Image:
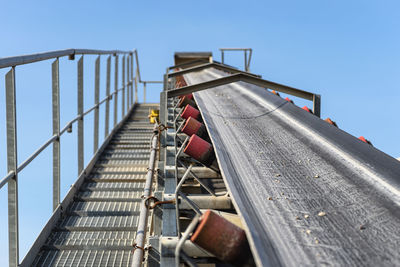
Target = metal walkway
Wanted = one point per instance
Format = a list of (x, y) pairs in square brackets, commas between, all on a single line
[(99, 226)]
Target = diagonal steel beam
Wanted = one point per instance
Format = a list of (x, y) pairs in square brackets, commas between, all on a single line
[(209, 65), (244, 77)]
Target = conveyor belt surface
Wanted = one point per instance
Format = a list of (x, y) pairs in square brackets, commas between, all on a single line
[(309, 193)]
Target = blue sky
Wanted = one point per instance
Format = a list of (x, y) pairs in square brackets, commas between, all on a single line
[(347, 51)]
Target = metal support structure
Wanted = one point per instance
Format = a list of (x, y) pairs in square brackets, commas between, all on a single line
[(144, 92), (128, 79), (12, 167), (96, 103), (243, 77), (56, 131), (80, 114), (136, 84), (107, 112), (116, 91), (131, 55), (123, 88), (245, 50), (317, 105), (142, 225), (11, 178)]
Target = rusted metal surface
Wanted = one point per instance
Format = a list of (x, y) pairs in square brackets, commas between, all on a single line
[(223, 239)]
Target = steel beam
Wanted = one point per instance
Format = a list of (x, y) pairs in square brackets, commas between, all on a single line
[(56, 131), (13, 239), (96, 103), (207, 66), (123, 88), (80, 120), (116, 91), (107, 112), (243, 77)]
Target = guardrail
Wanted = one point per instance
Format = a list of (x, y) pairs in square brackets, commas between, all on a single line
[(245, 50), (127, 90)]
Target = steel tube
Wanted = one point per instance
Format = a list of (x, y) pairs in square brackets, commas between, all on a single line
[(131, 80), (56, 132), (123, 88), (107, 112), (80, 114), (144, 212), (13, 244), (96, 104), (25, 59), (116, 91)]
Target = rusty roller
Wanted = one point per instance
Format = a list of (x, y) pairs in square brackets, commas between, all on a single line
[(200, 150), (193, 126), (223, 239), (190, 111)]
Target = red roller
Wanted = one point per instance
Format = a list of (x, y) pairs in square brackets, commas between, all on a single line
[(289, 100), (222, 238), (185, 100), (200, 150), (193, 126), (190, 111), (307, 109), (365, 140), (328, 120)]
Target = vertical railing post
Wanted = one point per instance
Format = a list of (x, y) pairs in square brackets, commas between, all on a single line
[(222, 56), (136, 83), (116, 91), (80, 120), (56, 131), (144, 92), (107, 113), (13, 239), (96, 102), (131, 78), (123, 88), (128, 91)]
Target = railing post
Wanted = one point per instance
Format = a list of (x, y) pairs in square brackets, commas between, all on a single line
[(222, 56), (116, 91), (96, 102), (131, 79), (123, 87), (13, 240), (107, 113), (56, 131), (80, 120), (144, 92), (136, 84), (128, 83)]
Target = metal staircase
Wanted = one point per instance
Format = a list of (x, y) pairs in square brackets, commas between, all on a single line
[(100, 224)]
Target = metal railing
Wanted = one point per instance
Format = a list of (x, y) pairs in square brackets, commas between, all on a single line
[(129, 91), (247, 59)]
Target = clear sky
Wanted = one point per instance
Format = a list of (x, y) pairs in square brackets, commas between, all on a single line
[(347, 51)]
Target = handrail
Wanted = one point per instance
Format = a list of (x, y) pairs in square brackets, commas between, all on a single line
[(67, 126), (129, 90), (26, 59), (245, 50)]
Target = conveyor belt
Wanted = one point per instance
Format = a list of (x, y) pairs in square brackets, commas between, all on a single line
[(99, 227), (309, 193)]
